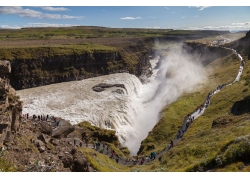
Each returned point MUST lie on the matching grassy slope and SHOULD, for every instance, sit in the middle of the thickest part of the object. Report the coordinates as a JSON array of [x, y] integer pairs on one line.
[[101, 162], [202, 143]]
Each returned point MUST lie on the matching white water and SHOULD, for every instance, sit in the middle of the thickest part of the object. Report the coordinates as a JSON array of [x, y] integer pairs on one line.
[[132, 114], [76, 101]]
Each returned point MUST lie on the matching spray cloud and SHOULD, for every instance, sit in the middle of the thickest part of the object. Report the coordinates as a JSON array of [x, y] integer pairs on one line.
[[177, 74]]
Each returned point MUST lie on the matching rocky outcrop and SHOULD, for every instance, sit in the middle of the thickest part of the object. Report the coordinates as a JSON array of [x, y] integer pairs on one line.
[[5, 67], [102, 86], [10, 107], [204, 54], [44, 69], [241, 107], [242, 45]]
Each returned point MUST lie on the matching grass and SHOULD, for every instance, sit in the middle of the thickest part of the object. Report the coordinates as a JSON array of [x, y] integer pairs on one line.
[[34, 52], [101, 162], [202, 143], [91, 32]]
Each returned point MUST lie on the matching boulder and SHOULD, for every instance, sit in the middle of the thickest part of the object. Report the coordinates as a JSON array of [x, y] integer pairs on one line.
[[5, 67], [63, 130], [55, 142], [44, 128], [67, 160], [43, 138], [80, 164], [41, 149], [38, 143]]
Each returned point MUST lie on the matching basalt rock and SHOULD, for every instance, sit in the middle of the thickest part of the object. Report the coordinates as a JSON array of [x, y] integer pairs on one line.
[[10, 107], [102, 86], [241, 107]]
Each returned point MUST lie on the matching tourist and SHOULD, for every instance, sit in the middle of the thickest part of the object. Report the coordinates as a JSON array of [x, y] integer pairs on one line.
[[112, 154], [80, 143], [74, 142], [172, 143], [142, 160]]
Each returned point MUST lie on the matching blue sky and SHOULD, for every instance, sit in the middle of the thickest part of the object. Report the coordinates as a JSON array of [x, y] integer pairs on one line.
[[126, 16]]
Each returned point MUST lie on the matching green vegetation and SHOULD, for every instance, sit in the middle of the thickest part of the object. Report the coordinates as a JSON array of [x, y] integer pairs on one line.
[[89, 32], [101, 162], [31, 53], [5, 164], [98, 134], [203, 144]]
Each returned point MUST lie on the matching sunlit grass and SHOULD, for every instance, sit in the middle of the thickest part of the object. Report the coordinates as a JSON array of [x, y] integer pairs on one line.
[[201, 144]]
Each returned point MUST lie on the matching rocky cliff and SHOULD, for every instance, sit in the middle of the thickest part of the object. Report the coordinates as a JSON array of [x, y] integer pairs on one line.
[[203, 53], [10, 106], [44, 67], [242, 45]]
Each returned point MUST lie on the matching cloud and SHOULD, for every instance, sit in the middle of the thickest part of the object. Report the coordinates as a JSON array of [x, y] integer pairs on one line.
[[196, 16], [183, 17], [10, 27], [156, 27], [38, 25], [166, 7], [49, 25], [130, 18], [201, 7], [49, 8], [34, 14], [242, 26]]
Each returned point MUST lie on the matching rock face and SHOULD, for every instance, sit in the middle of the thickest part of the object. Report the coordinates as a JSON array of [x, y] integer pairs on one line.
[[248, 35], [241, 107], [205, 54], [242, 45], [5, 67], [103, 86], [10, 107], [47, 69]]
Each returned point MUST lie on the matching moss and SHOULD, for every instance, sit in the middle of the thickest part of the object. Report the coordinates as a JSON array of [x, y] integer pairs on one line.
[[102, 163]]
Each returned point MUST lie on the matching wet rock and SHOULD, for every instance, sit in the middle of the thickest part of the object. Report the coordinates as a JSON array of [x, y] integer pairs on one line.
[[102, 86], [119, 91]]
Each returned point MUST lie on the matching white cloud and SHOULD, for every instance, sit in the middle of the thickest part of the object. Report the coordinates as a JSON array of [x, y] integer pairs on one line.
[[10, 27], [183, 17], [48, 25], [156, 27], [201, 7], [166, 7], [38, 25], [196, 16], [34, 14], [130, 18], [241, 26], [49, 8]]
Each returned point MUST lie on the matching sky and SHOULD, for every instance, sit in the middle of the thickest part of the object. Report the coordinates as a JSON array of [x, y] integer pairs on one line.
[[150, 14]]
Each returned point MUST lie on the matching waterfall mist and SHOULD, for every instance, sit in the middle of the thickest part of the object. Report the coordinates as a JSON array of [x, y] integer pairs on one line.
[[177, 74]]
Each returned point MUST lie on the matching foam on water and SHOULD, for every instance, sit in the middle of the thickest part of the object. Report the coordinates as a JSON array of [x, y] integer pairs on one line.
[[132, 114], [76, 101]]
